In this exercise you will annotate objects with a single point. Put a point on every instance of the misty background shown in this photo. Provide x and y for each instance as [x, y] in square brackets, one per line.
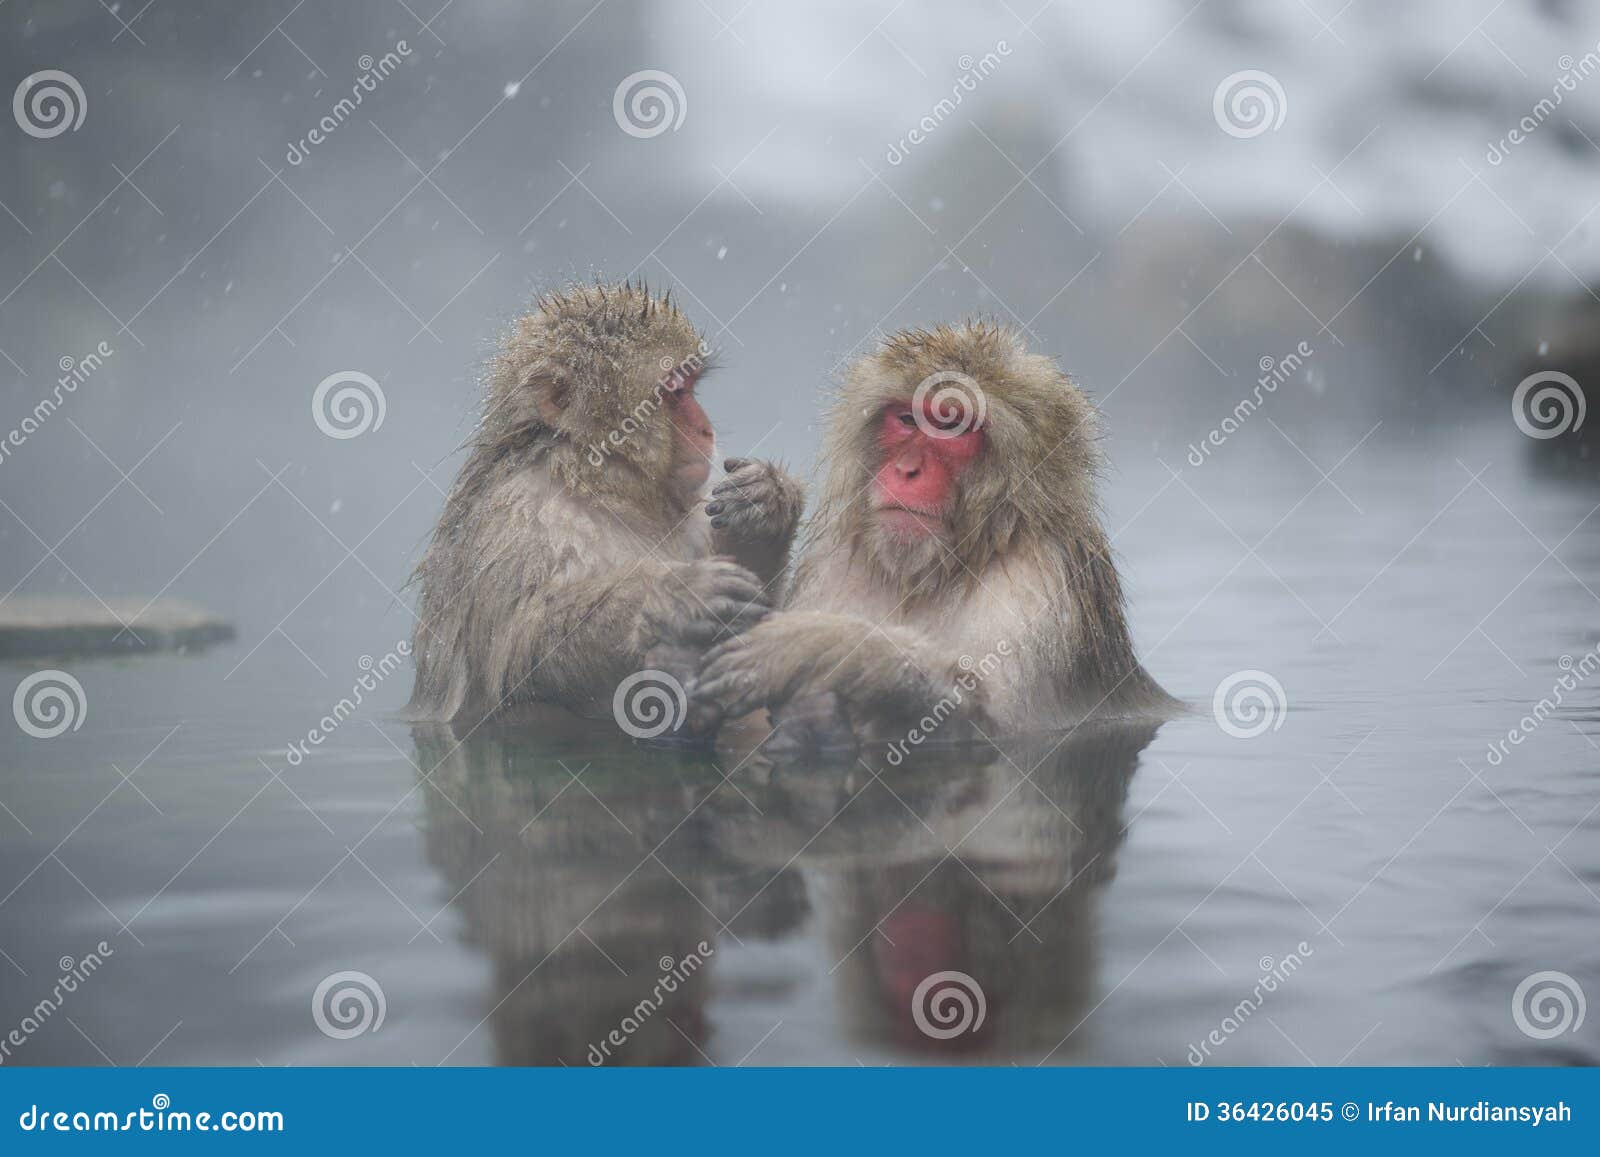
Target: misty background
[1082, 191]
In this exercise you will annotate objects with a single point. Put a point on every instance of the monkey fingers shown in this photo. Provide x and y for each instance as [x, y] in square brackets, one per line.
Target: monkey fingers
[751, 671]
[808, 725]
[728, 679]
[682, 664]
[756, 499]
[701, 583]
[718, 620]
[705, 601]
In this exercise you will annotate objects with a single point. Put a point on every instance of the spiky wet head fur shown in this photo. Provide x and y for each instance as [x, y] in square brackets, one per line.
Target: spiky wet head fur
[583, 375]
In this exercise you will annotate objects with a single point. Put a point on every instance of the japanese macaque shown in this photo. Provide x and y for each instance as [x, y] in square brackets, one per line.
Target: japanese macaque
[575, 547]
[956, 575]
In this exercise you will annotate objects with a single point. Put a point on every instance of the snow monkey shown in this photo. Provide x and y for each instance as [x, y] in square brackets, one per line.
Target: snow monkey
[955, 575]
[575, 547]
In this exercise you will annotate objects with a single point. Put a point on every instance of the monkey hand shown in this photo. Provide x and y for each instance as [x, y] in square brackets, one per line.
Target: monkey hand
[754, 513]
[876, 678]
[681, 665]
[704, 602]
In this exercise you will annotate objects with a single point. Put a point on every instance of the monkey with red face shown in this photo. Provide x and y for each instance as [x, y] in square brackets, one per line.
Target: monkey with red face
[575, 546]
[956, 576]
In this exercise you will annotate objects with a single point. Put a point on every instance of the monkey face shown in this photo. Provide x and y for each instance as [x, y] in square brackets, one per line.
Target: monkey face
[948, 447]
[923, 456]
[694, 440]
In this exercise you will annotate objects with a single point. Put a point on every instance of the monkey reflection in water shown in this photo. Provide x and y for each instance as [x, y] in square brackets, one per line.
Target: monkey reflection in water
[955, 893]
[598, 903]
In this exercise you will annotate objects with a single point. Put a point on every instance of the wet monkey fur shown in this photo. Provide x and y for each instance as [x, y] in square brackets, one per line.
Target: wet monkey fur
[575, 546]
[956, 567]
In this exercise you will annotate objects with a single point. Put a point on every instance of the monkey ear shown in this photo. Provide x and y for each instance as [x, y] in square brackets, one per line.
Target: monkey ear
[552, 395]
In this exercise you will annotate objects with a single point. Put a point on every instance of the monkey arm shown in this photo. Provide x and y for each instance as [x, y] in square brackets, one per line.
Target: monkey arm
[576, 640]
[880, 673]
[755, 512]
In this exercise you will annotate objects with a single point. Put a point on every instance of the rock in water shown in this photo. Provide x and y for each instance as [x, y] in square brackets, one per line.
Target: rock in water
[32, 626]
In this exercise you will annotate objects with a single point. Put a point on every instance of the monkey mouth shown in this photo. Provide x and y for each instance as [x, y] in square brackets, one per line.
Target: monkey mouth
[909, 521]
[694, 474]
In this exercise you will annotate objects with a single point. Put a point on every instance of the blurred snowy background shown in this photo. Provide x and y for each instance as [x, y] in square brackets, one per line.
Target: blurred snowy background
[1083, 188]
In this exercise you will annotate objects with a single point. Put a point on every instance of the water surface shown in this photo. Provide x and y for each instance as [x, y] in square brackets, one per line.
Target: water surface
[1115, 893]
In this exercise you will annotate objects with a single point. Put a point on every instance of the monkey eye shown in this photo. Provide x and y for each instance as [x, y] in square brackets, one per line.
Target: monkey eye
[908, 419]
